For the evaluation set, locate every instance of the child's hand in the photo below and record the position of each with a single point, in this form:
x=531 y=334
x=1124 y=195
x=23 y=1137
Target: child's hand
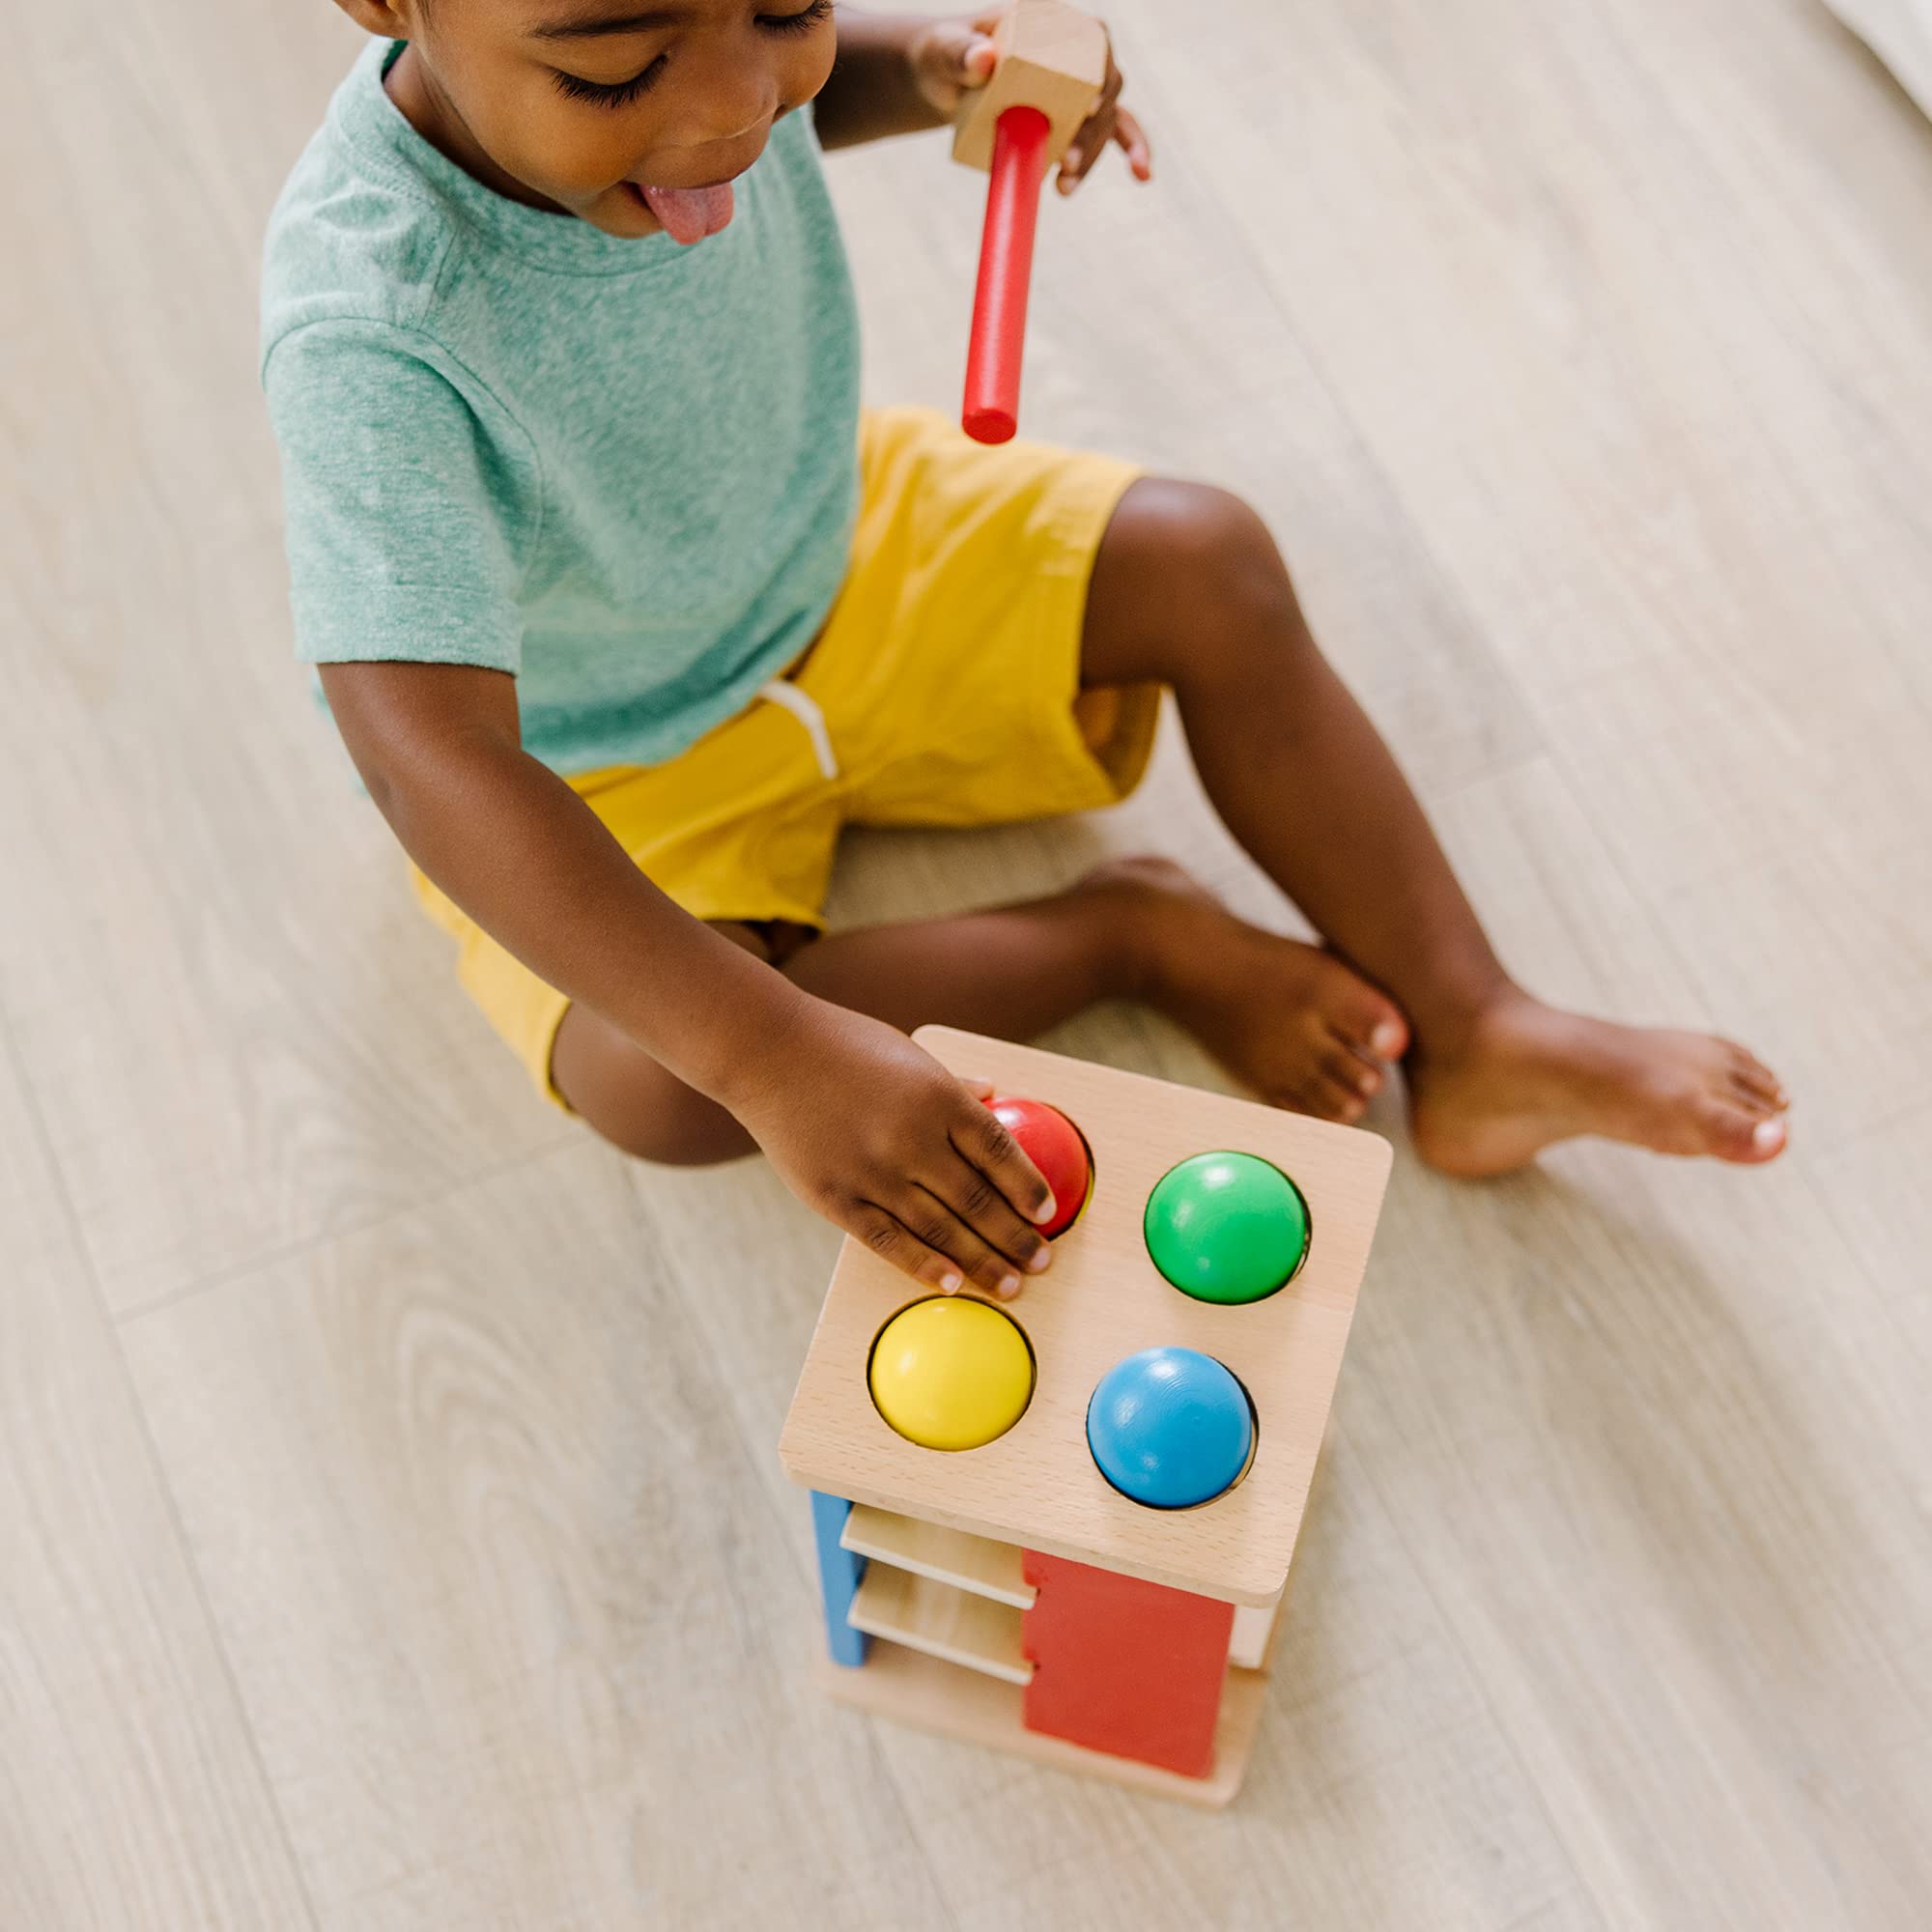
x=878 y=1137
x=950 y=57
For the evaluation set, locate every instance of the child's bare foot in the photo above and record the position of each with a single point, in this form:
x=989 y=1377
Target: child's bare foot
x=1529 y=1075
x=1290 y=1020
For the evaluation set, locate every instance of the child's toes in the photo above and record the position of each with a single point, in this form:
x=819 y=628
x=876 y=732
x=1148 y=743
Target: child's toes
x=1319 y=1097
x=1366 y=1023
x=1752 y=1073
x=1336 y=1099
x=1736 y=1132
x=1354 y=1077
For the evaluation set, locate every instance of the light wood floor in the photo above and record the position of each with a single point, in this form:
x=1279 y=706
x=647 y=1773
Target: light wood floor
x=390 y=1533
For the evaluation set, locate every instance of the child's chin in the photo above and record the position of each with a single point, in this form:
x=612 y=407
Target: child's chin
x=624 y=211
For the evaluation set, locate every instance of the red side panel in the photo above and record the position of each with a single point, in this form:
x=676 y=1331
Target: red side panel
x=1125 y=1666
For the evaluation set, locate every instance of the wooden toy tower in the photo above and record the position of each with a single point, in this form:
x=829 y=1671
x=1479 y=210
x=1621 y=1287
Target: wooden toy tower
x=1071 y=1538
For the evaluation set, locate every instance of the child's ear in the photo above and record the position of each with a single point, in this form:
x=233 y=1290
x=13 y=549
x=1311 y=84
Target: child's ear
x=380 y=16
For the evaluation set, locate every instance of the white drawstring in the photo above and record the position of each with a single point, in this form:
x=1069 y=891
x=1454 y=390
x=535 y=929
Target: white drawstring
x=805 y=709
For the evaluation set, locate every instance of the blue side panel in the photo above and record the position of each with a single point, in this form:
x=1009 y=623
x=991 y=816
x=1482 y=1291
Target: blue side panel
x=839 y=1574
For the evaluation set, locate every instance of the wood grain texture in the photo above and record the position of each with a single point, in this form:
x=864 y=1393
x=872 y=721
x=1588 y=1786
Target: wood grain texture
x=235 y=1020
x=975 y=1563
x=130 y=1792
x=973 y=1708
x=1038 y=1485
x=1051 y=56
x=549 y=1614
x=1692 y=1377
x=943 y=1621
x=1252 y=1638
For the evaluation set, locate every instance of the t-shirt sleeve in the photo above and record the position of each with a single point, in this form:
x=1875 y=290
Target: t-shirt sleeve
x=407 y=497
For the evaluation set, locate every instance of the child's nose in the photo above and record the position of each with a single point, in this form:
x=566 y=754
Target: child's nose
x=736 y=102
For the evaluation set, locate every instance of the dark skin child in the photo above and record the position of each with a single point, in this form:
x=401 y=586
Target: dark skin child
x=690 y=1042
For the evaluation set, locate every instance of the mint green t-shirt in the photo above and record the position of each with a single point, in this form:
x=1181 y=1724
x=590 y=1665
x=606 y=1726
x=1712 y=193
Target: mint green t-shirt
x=623 y=470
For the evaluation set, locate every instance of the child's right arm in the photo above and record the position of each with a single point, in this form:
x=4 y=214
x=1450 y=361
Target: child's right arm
x=861 y=1123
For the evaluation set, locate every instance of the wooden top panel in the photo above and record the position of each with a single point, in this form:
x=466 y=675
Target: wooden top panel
x=1104 y=1299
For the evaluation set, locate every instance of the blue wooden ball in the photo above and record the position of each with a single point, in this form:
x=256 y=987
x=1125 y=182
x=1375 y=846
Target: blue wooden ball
x=1170 y=1428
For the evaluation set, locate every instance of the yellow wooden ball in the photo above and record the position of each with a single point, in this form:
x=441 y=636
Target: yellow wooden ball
x=951 y=1373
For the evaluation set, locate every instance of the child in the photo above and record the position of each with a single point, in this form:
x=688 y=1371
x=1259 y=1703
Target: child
x=623 y=609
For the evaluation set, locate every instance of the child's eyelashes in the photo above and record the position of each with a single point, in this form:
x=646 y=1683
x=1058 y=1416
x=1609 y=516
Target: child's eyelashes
x=613 y=94
x=621 y=93
x=796 y=23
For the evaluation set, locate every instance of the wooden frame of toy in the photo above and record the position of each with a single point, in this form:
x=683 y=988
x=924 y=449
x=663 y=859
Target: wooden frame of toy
x=1071 y=1538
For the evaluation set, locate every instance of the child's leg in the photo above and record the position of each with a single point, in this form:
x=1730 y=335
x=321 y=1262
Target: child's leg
x=1189 y=591
x=1012 y=972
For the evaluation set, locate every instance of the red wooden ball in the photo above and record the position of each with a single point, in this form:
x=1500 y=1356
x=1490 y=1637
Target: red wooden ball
x=1053 y=1143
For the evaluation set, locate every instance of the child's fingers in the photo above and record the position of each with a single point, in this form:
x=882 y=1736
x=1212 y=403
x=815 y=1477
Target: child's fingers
x=1095 y=132
x=950 y=59
x=1127 y=131
x=981 y=1207
x=964 y=55
x=893 y=1241
x=984 y=1144
x=935 y=1222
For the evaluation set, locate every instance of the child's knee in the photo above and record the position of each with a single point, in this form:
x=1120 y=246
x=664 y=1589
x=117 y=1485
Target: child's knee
x=1206 y=557
x=1237 y=567
x=635 y=1105
x=689 y=1131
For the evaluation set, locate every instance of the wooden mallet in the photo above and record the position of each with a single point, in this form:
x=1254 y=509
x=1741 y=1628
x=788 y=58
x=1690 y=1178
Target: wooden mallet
x=1052 y=67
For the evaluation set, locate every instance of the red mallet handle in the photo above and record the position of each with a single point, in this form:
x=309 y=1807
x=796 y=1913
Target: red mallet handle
x=1006 y=269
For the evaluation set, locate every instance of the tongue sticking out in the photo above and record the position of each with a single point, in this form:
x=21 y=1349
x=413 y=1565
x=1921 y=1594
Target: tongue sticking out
x=690 y=213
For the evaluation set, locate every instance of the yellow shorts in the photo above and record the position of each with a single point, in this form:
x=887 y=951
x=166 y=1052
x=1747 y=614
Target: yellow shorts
x=944 y=689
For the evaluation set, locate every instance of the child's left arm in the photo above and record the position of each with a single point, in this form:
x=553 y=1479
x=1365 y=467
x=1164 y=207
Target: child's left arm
x=897 y=73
